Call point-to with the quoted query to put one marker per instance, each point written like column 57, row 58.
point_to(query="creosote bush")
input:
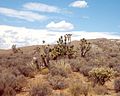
column 78, row 88
column 101, row 75
column 10, row 84
column 60, row 68
column 40, row 88
column 100, row 90
column 57, row 82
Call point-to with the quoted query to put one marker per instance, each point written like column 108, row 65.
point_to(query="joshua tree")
column 14, row 49
column 69, row 37
column 62, row 48
column 85, row 47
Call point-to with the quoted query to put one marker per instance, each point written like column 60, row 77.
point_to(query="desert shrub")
column 101, row 75
column 27, row 71
column 44, row 71
column 40, row 89
column 78, row 88
column 10, row 85
column 118, row 94
column 61, row 94
column 58, row 82
column 100, row 90
column 117, row 69
column 117, row 85
column 60, row 68
column 76, row 64
column 19, row 83
column 85, row 70
column 8, row 91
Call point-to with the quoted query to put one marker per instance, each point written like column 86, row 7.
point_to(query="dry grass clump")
column 40, row 88
column 60, row 68
column 78, row 88
column 58, row 82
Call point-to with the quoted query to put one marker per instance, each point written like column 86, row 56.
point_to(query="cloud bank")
column 22, row 36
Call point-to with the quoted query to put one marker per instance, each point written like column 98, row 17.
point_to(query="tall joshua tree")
column 68, row 37
column 85, row 47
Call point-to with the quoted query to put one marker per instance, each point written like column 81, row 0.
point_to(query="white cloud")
column 21, row 36
column 25, row 15
column 41, row 7
column 79, row 4
column 60, row 26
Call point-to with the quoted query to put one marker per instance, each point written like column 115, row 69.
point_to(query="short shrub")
column 27, row 71
column 8, row 91
column 44, row 71
column 40, row 89
column 61, row 94
column 85, row 70
column 78, row 88
column 117, row 85
column 101, row 75
column 76, row 64
column 100, row 90
column 10, row 85
column 60, row 68
column 58, row 82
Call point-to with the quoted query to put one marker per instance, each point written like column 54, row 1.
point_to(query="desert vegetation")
column 67, row 68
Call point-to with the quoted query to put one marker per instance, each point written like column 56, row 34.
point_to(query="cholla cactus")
column 85, row 47
column 101, row 75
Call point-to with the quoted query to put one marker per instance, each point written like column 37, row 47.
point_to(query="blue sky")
column 100, row 16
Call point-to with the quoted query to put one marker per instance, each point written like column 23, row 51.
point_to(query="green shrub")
column 101, row 75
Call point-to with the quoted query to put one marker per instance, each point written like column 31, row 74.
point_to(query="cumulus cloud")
column 40, row 7
column 60, row 26
column 79, row 4
column 25, row 15
column 22, row 36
